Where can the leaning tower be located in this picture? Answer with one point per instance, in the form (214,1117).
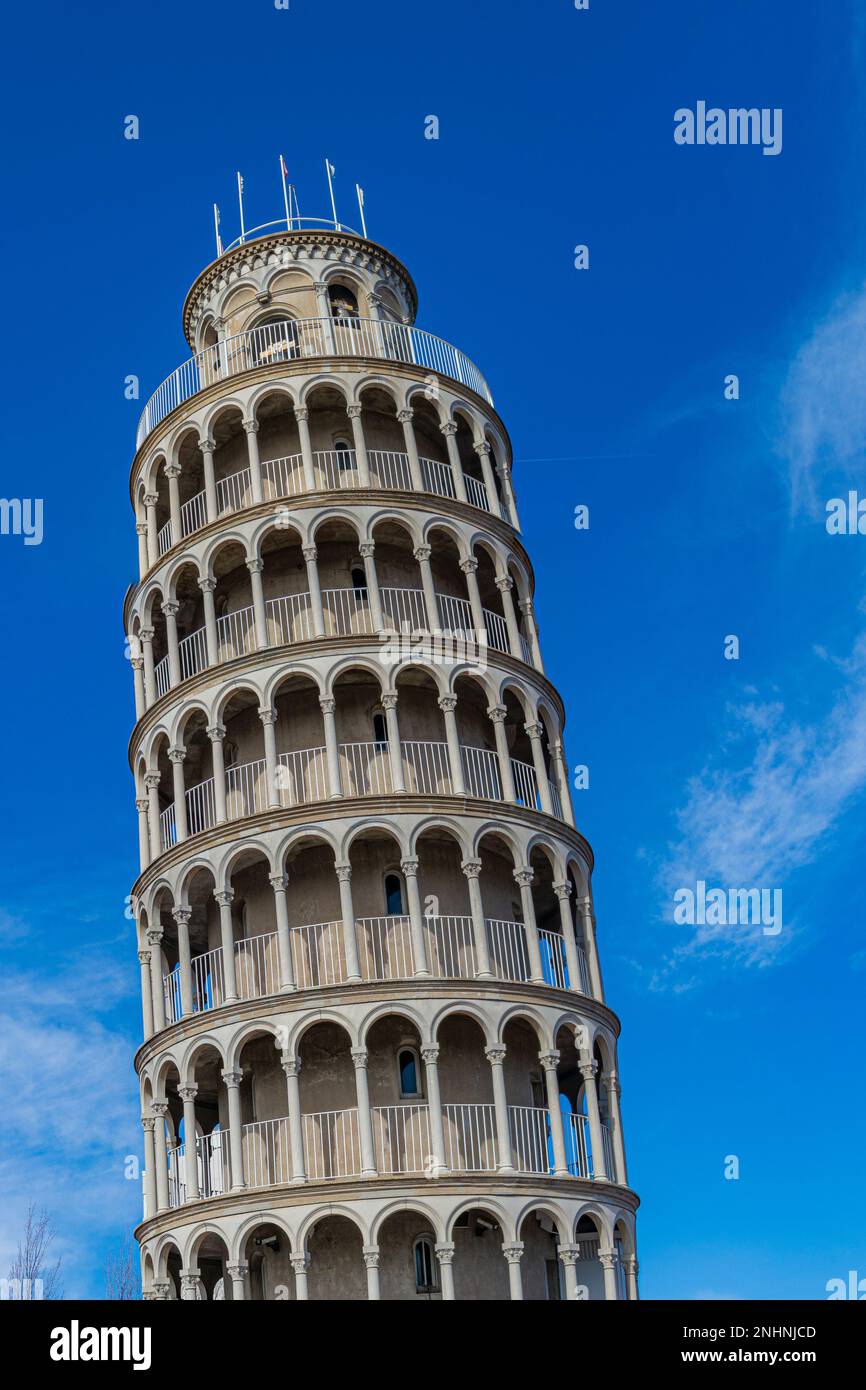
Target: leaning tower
(377,1057)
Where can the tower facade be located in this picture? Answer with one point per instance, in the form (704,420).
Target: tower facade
(377,1057)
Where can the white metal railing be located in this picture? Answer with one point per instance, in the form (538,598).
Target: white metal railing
(302,776)
(477,493)
(404,609)
(451,947)
(437,477)
(193,514)
(427,770)
(506,942)
(346,612)
(470,1138)
(236,633)
(318,955)
(336,468)
(607,1146)
(385,948)
(257,968)
(526,651)
(525,784)
(553,962)
(176,1176)
(455,615)
(164,540)
(481,772)
(299,338)
(389,469)
(283,477)
(246,789)
(365,769)
(585,987)
(332,1147)
(162,675)
(267,1152)
(208,985)
(529,1128)
(577,1145)
(555,799)
(497,631)
(193,653)
(234,491)
(167,827)
(401,1138)
(290,619)
(172,996)
(214,1163)
(200,807)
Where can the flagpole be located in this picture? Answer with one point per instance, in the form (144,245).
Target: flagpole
(330,168)
(285,195)
(241,203)
(360,192)
(216,227)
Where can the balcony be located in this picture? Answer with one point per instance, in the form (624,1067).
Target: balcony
(385,952)
(297,339)
(335,471)
(403,1144)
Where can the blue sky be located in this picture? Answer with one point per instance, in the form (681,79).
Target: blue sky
(706,519)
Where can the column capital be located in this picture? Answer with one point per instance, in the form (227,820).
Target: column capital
(144,957)
(137,663)
(504,583)
(497,713)
(430,1055)
(159,1107)
(354,411)
(232,1078)
(469,565)
(171,470)
(152,780)
(206,445)
(154,936)
(588,1069)
(278,882)
(360,1056)
(569,1254)
(482,447)
(371,1256)
(471,867)
(422,552)
(613,1084)
(449,428)
(310,553)
(523,877)
(267,716)
(182,915)
(409,867)
(151,499)
(301,413)
(562,890)
(367,550)
(216,733)
(525,605)
(447,703)
(207,585)
(148,1123)
(251,426)
(141,804)
(177,754)
(389,699)
(290,1065)
(225,896)
(534,730)
(549,1060)
(607,1259)
(141,528)
(444,1253)
(146,633)
(170,608)
(631,1264)
(405,416)
(187,1093)
(237,1271)
(327,704)
(495,1055)
(255,566)
(513,1253)
(300,1263)
(343,872)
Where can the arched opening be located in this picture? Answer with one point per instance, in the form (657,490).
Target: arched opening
(480,1268)
(337,1272)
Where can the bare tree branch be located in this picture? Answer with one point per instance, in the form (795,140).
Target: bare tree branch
(30,1274)
(122,1279)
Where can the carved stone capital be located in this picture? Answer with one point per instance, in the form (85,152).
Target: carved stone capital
(301,413)
(279,882)
(255,566)
(187,1093)
(207,446)
(430,1056)
(371,1256)
(504,583)
(310,553)
(343,872)
(182,915)
(497,713)
(267,716)
(447,703)
(177,754)
(562,890)
(470,565)
(523,877)
(405,416)
(207,585)
(549,1060)
(170,608)
(216,733)
(422,552)
(232,1078)
(471,867)
(449,429)
(354,411)
(152,780)
(409,867)
(251,426)
(225,897)
(291,1065)
(444,1254)
(171,470)
(534,730)
(513,1253)
(495,1055)
(367,550)
(360,1057)
(389,699)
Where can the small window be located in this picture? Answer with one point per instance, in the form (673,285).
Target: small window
(344,304)
(407,1062)
(344,455)
(393,895)
(230,752)
(426,1268)
(380,728)
(359,581)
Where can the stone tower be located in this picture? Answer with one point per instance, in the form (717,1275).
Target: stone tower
(377,1057)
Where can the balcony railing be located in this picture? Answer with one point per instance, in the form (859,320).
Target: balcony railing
(346,613)
(295,339)
(385,952)
(402,1144)
(365,770)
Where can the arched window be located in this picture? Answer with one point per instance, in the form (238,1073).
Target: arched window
(426,1268)
(345,458)
(393,895)
(344,304)
(380,727)
(407,1065)
(359,580)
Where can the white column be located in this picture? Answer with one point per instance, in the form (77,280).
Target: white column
(302,415)
(523,878)
(496,715)
(255,568)
(170,609)
(534,731)
(430,1058)
(207,447)
(416,920)
(363,463)
(269,720)
(568,1254)
(607,1259)
(227,941)
(514,1254)
(143,558)
(216,733)
(365,1119)
(350,944)
(181,916)
(328,704)
(150,1205)
(483,452)
(448,704)
(450,431)
(233,1080)
(614,1095)
(159,1108)
(324,305)
(152,781)
(528,611)
(405,417)
(143,832)
(172,472)
(251,428)
(549,1061)
(176,757)
(310,554)
(508,491)
(190,1152)
(157,991)
(496,1058)
(137,663)
(631,1269)
(292,1067)
(146,994)
(445,1256)
(300,1264)
(377,617)
(237,1274)
(395,748)
(211,631)
(561,766)
(505,584)
(150,502)
(563,892)
(588,1070)
(472,869)
(146,637)
(587,916)
(422,554)
(371,1264)
(470,569)
(284,943)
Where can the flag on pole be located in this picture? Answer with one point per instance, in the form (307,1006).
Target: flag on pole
(285,174)
(241,202)
(216,227)
(360,192)
(331,172)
